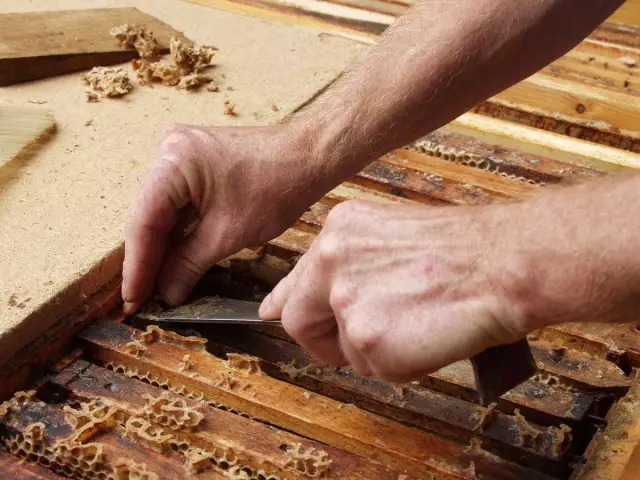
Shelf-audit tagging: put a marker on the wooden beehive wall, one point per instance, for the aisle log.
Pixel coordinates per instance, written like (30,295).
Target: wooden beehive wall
(130,401)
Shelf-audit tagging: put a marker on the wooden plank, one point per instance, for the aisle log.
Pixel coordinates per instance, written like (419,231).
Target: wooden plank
(16,468)
(43,44)
(255,445)
(287,406)
(539,142)
(28,363)
(499,159)
(410,404)
(612,455)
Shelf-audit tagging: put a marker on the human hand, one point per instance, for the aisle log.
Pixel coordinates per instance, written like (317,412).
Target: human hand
(247,186)
(399,291)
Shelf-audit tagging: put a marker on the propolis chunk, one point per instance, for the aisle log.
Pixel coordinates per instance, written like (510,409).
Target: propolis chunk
(190,58)
(485,417)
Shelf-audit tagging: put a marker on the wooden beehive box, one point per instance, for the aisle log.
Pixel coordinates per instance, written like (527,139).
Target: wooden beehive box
(121,399)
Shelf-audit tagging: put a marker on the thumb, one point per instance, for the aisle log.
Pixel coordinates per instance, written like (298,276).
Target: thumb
(189,260)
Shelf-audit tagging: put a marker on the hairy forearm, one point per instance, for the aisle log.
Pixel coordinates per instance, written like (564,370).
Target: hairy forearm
(572,254)
(432,65)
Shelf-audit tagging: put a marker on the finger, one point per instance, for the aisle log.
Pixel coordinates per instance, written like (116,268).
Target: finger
(273,304)
(188,261)
(327,348)
(151,218)
(351,354)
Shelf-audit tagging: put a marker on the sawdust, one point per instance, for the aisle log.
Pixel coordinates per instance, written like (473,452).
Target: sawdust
(106,82)
(136,36)
(230,108)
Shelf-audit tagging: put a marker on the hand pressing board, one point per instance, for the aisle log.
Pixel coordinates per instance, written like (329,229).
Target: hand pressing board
(61,217)
(36,45)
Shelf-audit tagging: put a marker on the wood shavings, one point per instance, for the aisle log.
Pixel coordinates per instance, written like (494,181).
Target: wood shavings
(107,82)
(136,36)
(229,108)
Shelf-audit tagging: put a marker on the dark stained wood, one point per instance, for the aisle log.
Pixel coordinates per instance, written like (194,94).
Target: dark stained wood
(285,405)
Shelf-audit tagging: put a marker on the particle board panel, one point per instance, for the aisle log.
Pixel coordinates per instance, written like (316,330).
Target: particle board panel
(62,213)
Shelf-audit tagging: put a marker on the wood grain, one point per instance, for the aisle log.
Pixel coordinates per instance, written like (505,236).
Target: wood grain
(43,44)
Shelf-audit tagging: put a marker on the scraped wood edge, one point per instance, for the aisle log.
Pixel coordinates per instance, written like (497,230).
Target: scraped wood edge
(78,294)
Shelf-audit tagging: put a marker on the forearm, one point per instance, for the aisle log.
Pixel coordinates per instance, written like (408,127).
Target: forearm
(432,65)
(573,254)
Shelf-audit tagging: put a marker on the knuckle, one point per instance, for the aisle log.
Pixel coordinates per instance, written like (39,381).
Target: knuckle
(342,295)
(362,337)
(328,250)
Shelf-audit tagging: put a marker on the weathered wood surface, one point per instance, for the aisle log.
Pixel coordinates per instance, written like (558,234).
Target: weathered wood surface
(43,44)
(348,427)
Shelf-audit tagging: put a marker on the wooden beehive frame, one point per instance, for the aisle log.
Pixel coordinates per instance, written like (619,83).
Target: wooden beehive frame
(564,124)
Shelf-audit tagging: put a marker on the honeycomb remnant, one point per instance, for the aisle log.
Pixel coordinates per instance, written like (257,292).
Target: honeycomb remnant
(147,434)
(153,334)
(562,438)
(187,364)
(171,412)
(243,363)
(198,460)
(136,36)
(135,348)
(527,434)
(127,469)
(107,81)
(485,417)
(491,165)
(294,372)
(475,449)
(310,462)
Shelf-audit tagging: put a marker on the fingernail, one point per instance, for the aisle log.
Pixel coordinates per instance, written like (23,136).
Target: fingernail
(265,307)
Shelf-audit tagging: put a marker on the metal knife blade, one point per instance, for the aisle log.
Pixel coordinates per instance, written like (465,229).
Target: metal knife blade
(497,369)
(210,310)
